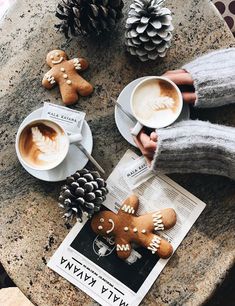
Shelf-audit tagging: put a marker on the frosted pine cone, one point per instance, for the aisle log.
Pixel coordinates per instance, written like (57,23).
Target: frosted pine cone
(84,192)
(149,28)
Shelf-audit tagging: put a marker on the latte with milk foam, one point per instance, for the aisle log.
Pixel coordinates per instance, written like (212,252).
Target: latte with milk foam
(42,144)
(156,103)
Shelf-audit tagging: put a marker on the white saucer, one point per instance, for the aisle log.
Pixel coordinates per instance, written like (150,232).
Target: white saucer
(125,124)
(75,159)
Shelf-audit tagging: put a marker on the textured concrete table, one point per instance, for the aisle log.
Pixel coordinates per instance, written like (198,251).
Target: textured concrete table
(31,225)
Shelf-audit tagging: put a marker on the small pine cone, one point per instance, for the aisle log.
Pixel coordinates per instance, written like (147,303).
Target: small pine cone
(88,16)
(84,192)
(148,29)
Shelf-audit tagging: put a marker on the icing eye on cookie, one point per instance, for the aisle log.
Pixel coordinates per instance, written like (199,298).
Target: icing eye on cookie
(100,227)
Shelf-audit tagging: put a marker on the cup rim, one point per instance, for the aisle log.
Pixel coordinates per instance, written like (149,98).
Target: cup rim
(157,78)
(22,127)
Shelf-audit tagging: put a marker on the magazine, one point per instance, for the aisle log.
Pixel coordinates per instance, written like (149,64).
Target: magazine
(89,261)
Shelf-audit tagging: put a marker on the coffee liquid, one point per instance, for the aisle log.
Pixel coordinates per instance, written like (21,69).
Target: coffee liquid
(42,144)
(156,103)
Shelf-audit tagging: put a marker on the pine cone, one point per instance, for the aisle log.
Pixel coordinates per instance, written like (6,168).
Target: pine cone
(88,16)
(84,192)
(149,28)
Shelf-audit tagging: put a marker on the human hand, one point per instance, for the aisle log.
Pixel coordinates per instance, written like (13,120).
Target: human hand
(147,144)
(184,81)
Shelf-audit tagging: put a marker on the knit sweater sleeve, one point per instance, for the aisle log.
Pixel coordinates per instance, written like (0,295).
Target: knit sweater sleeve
(214,78)
(195,146)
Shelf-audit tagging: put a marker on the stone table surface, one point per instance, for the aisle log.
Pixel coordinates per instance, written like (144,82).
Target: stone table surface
(31,225)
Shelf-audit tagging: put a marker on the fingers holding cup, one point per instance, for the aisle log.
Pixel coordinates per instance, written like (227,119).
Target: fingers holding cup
(147,145)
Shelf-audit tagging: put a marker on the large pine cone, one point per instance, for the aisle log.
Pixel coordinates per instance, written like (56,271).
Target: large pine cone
(149,28)
(84,192)
(88,16)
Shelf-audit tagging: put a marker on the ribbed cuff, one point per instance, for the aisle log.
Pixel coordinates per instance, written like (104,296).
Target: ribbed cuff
(195,146)
(214,78)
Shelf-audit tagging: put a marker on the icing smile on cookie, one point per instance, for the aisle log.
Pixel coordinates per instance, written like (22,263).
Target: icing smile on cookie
(111,229)
(59,61)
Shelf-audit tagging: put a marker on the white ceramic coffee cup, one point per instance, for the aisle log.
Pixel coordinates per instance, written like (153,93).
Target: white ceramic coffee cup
(163,123)
(69,139)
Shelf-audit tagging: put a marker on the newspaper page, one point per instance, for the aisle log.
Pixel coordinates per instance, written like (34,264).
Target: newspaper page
(89,261)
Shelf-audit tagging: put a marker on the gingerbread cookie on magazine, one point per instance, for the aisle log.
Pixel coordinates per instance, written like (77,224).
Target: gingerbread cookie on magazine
(126,227)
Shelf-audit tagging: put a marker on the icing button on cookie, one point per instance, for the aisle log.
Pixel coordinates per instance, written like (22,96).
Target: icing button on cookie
(143,231)
(62,69)
(135,230)
(65,76)
(126,228)
(69,82)
(100,227)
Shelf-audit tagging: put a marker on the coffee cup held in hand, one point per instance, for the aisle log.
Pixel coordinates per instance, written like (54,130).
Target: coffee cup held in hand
(42,144)
(156,102)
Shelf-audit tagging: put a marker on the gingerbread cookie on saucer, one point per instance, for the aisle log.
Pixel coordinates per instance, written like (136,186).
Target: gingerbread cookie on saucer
(126,227)
(64,72)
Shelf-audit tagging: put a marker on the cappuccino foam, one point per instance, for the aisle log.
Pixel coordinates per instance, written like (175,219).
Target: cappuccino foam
(43,144)
(156,103)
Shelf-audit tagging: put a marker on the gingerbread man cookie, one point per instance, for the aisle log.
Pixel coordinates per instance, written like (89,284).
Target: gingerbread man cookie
(64,73)
(126,227)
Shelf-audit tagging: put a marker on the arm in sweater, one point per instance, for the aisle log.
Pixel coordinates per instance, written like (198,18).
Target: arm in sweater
(196,146)
(214,78)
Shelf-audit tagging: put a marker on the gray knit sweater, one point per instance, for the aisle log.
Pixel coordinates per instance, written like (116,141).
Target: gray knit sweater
(197,146)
